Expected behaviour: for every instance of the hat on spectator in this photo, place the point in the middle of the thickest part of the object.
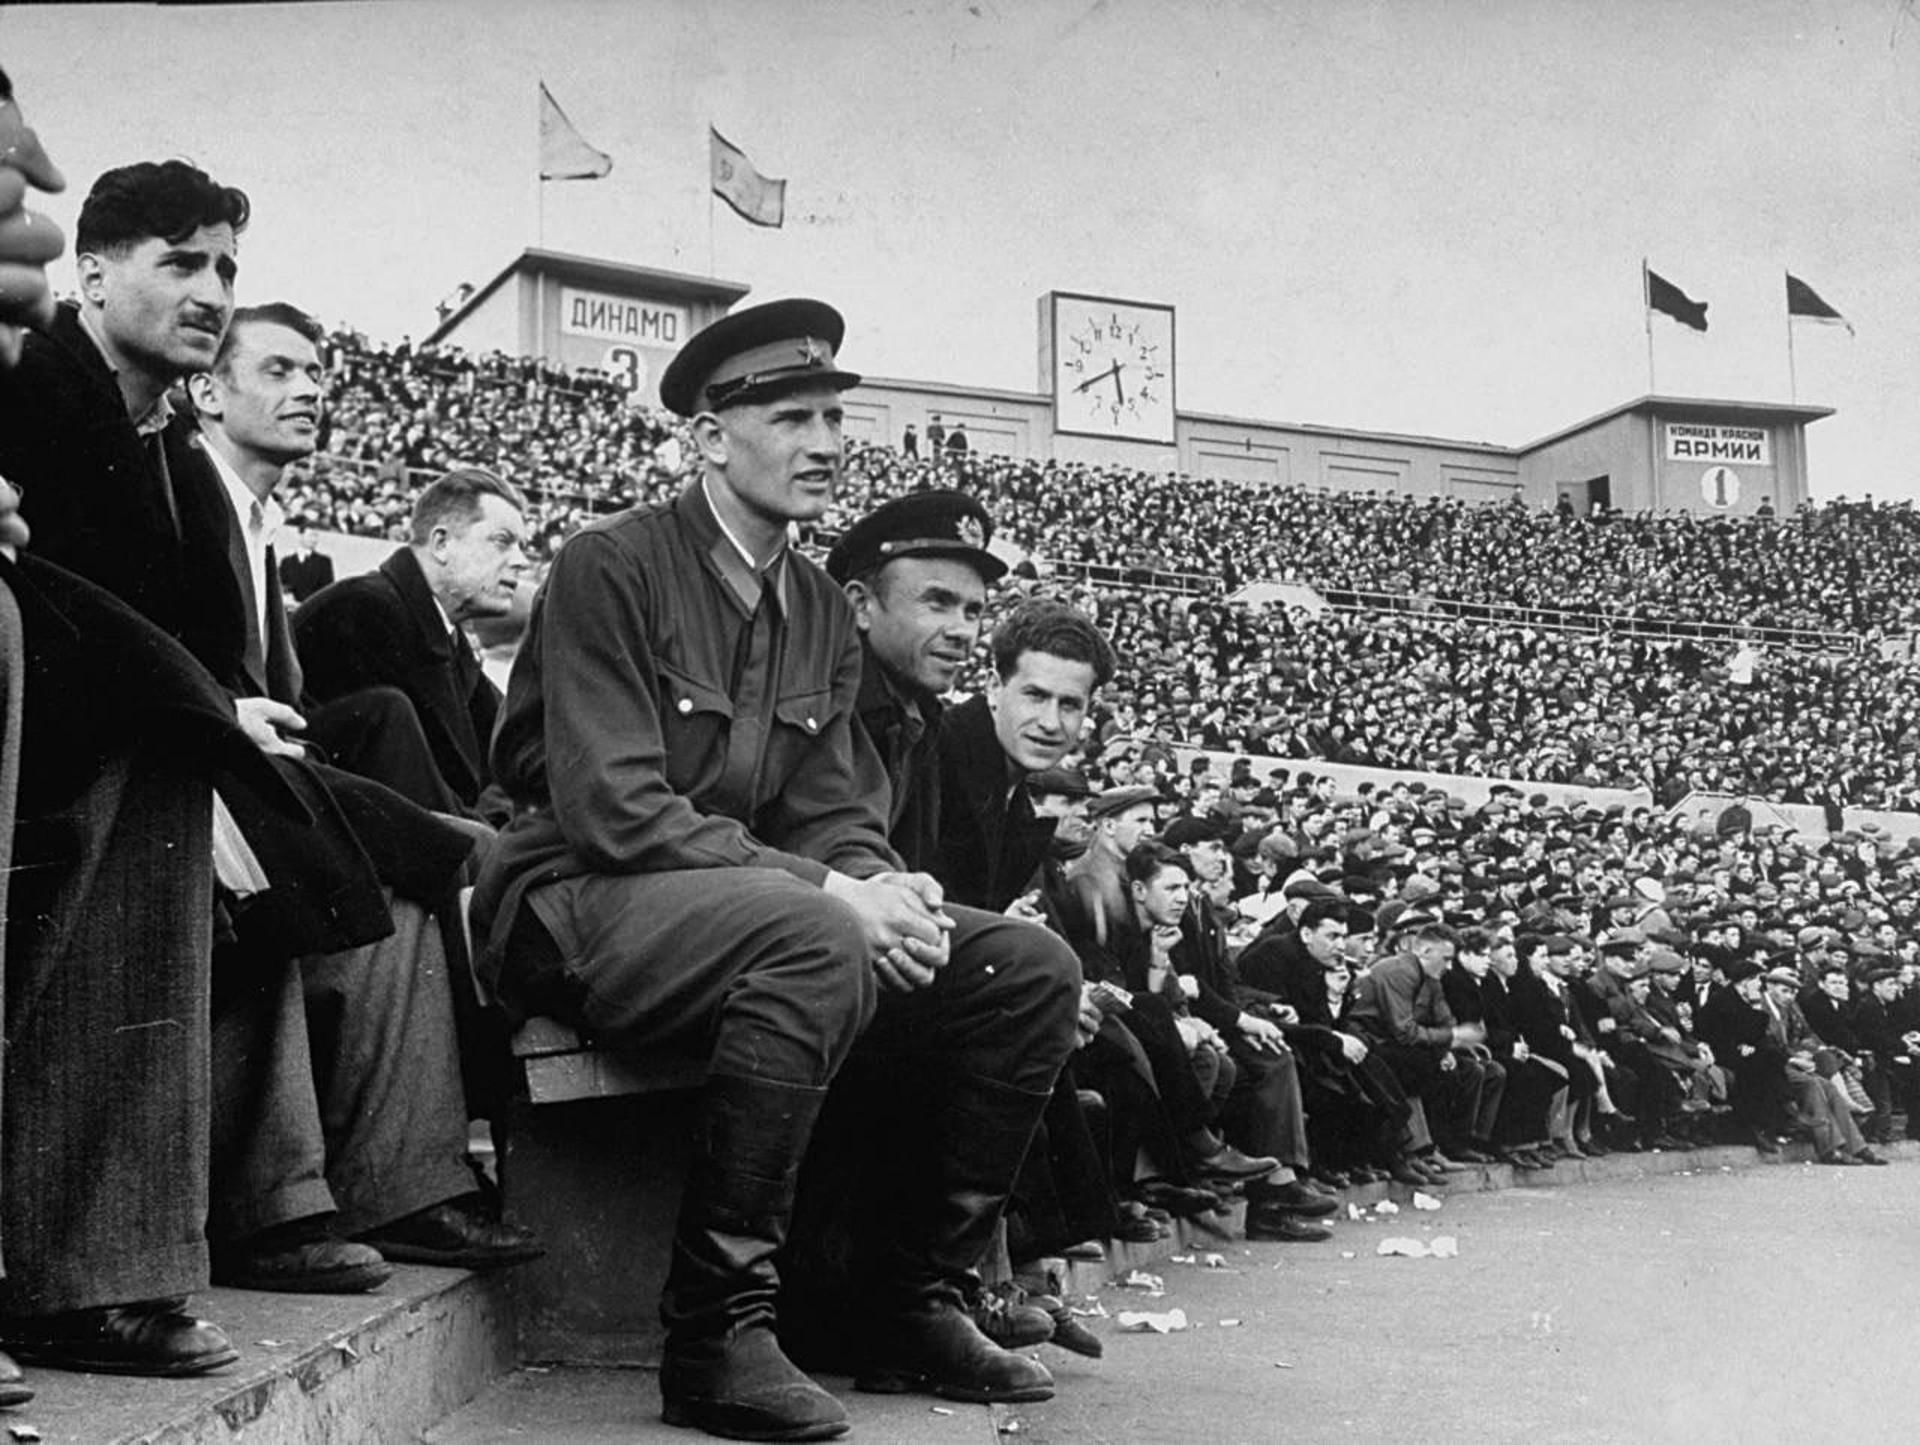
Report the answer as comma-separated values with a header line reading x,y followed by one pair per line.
x,y
1740,969
1665,960
938,523
1786,976
1067,782
752,355
1115,801
1188,832
1418,889
1308,887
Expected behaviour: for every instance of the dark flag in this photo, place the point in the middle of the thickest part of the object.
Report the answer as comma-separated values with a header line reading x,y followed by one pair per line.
x,y
1669,300
1803,301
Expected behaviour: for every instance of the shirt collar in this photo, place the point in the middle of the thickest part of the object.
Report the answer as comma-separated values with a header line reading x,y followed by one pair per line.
x,y
240,494
734,561
157,416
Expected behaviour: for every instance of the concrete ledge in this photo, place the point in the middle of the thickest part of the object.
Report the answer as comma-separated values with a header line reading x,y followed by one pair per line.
x,y
374,1369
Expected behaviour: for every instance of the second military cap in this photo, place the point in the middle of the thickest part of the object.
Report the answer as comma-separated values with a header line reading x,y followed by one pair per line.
x,y
940,523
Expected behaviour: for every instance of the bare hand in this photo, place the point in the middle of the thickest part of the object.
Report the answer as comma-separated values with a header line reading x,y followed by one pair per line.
x,y
1027,908
1354,1048
264,720
905,932
1088,1023
1263,1034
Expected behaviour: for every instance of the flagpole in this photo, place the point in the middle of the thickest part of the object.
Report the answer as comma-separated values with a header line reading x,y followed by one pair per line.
x,y
712,264
1793,381
1646,316
539,179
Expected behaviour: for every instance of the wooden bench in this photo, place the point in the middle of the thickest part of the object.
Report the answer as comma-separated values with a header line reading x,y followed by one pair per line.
x,y
594,1159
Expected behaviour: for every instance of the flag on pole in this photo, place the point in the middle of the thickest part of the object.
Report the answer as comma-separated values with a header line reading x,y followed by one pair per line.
x,y
1803,301
564,152
755,197
1669,300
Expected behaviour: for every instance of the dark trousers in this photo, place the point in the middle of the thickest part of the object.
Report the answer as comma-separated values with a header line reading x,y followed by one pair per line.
x,y
108,980
1265,1114
766,976
375,733
337,1084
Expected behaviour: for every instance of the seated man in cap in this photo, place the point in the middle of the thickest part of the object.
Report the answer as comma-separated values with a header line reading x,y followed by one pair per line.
x,y
917,571
699,862
1736,1025
1816,1102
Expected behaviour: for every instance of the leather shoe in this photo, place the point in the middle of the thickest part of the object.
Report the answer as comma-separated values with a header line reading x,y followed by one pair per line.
x,y
300,1258
1270,1222
1179,1200
1439,1161
1089,1250
1230,1164
1291,1198
1009,1320
1471,1155
1068,1332
151,1338
1867,1156
1834,1156
14,1389
455,1234
1405,1173
934,1347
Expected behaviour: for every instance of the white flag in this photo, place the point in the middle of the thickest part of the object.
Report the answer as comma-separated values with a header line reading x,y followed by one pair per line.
x,y
735,181
564,154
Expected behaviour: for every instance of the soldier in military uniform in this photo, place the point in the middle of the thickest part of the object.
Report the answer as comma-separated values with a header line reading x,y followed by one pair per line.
x,y
699,861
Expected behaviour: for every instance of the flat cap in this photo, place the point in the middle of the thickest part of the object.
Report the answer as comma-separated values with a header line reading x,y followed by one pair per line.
x,y
755,354
940,523
1189,831
1115,801
1068,782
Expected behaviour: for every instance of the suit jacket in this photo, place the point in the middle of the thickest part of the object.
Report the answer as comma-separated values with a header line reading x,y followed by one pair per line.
x,y
1726,1021
991,844
149,521
222,632
304,576
1398,1003
98,501
384,629
1539,1014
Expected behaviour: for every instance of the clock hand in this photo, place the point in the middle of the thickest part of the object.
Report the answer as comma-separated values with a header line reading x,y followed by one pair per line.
x,y
1093,381
1117,391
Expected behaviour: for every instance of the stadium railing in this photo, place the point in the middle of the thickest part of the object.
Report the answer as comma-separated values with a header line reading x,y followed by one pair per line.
x,y
1592,619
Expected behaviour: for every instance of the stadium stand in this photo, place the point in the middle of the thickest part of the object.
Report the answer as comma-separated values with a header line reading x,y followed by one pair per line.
x,y
1470,640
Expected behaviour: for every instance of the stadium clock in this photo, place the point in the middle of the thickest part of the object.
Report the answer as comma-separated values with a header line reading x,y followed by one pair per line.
x,y
1112,368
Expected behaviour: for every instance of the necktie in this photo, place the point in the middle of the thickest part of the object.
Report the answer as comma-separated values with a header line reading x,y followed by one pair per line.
x,y
466,668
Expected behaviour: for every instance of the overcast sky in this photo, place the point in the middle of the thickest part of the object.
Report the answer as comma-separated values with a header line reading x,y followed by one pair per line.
x,y
1421,216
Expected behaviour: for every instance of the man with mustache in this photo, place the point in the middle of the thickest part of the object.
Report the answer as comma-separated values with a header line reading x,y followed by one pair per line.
x,y
135,498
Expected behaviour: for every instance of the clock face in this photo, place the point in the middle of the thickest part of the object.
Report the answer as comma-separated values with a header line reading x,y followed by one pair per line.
x,y
1113,368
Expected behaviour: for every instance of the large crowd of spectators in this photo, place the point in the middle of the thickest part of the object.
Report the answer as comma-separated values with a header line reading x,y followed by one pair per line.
x,y
1443,695
1412,688
575,441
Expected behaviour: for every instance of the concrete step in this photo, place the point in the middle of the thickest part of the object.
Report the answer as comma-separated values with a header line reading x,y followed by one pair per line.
x,y
433,1355
372,1369
562,1406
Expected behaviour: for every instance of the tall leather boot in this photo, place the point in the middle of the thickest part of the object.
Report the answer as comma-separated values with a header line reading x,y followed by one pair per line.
x,y
924,1338
722,1369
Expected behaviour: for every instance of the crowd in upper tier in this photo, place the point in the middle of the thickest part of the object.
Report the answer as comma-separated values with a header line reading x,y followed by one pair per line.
x,y
576,443
1404,689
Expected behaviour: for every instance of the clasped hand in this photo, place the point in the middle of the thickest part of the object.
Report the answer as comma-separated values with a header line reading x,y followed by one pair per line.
x,y
904,918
